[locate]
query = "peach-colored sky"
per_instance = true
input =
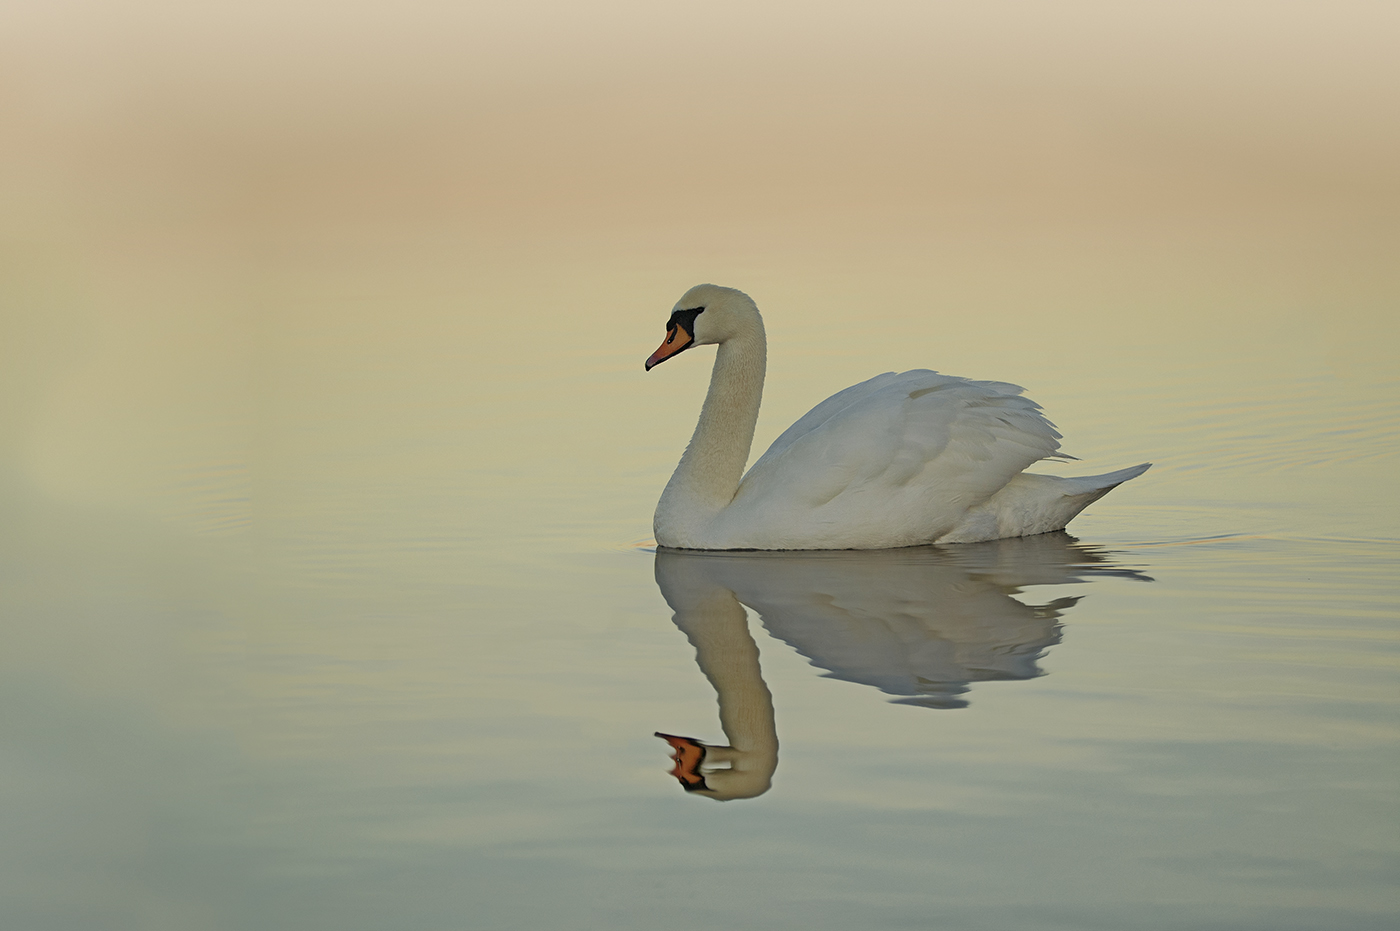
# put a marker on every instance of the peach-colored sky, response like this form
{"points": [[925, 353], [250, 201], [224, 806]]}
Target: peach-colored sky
{"points": [[524, 120]]}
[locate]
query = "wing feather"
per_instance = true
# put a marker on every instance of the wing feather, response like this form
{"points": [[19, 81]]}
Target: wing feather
{"points": [[912, 450]]}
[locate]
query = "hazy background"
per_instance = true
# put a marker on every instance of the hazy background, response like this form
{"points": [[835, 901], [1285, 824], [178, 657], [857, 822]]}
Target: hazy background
{"points": [[325, 446], [223, 167], [198, 199]]}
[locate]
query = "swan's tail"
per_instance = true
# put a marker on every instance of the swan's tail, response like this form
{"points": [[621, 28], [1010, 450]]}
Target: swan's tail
{"points": [[1079, 492], [1102, 484], [1031, 504]]}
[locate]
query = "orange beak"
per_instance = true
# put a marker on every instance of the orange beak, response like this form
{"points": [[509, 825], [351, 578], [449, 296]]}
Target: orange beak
{"points": [[676, 339], [687, 753]]}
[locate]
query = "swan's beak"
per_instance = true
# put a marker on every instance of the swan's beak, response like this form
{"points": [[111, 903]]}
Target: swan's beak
{"points": [[677, 338], [688, 754]]}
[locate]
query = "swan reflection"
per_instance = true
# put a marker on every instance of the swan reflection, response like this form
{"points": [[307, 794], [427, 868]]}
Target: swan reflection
{"points": [[921, 624]]}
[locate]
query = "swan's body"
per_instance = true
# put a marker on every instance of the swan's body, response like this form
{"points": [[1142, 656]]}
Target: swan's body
{"points": [[899, 460]]}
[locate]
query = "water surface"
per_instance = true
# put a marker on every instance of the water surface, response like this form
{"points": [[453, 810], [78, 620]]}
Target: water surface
{"points": [[388, 649]]}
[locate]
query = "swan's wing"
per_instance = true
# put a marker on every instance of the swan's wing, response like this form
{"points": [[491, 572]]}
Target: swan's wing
{"points": [[827, 409], [910, 451]]}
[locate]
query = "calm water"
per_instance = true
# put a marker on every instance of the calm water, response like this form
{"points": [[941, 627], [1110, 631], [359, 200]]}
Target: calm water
{"points": [[327, 466], [362, 630]]}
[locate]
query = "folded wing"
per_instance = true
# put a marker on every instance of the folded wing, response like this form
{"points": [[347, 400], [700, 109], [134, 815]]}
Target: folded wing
{"points": [[893, 461]]}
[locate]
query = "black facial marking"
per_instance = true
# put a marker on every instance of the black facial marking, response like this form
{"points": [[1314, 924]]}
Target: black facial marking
{"points": [[685, 318]]}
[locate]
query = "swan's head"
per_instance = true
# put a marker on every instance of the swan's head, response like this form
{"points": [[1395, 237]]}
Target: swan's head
{"points": [[707, 314]]}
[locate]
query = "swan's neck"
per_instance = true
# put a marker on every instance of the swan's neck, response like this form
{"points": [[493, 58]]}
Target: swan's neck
{"points": [[709, 471]]}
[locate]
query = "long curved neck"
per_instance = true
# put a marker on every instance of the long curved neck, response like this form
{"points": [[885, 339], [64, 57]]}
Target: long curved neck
{"points": [[709, 471], [727, 655], [714, 621]]}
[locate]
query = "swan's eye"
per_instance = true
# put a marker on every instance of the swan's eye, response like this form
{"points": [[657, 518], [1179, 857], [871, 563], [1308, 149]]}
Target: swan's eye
{"points": [[671, 336], [684, 319]]}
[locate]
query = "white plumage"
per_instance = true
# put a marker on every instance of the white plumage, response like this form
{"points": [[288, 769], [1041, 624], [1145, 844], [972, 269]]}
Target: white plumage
{"points": [[899, 460]]}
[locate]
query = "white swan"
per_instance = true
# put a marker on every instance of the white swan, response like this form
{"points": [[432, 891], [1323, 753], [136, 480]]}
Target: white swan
{"points": [[899, 460]]}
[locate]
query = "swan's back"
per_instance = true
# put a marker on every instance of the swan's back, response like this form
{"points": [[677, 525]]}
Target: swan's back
{"points": [[893, 461]]}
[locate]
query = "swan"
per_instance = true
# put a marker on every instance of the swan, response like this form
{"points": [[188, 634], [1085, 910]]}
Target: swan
{"points": [[899, 460]]}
